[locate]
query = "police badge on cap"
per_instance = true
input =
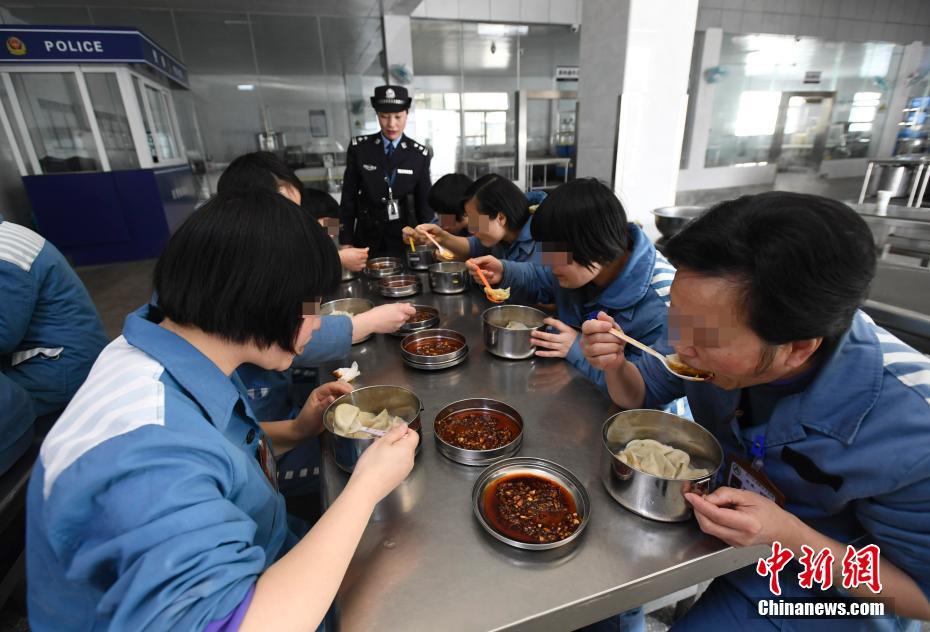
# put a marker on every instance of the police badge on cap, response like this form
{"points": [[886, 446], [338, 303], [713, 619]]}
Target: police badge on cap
{"points": [[391, 99]]}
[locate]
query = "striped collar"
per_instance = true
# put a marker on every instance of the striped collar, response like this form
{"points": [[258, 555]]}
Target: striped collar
{"points": [[213, 391]]}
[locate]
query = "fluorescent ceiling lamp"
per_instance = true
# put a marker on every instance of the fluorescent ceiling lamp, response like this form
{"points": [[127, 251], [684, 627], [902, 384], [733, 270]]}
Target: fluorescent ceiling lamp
{"points": [[246, 87], [502, 30]]}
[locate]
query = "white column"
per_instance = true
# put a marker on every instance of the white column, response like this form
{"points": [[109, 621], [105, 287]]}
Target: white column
{"points": [[639, 51], [703, 99], [910, 63]]}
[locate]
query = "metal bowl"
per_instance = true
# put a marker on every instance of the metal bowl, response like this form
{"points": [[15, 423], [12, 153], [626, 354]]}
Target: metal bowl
{"points": [[380, 267], [539, 467], [652, 496], [398, 401], [448, 277], [478, 457], [353, 306], [418, 361], [671, 219], [400, 285], [514, 344], [410, 327], [422, 258]]}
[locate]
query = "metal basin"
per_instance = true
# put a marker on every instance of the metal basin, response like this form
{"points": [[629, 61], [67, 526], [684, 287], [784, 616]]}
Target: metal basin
{"points": [[381, 267], [422, 258], [442, 361], [651, 496], [513, 344], [350, 305], [400, 285], [413, 326], [398, 401], [671, 219], [537, 467], [449, 277]]}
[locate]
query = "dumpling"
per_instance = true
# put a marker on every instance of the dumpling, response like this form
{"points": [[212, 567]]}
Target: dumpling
{"points": [[382, 421], [516, 324], [658, 459], [344, 418]]}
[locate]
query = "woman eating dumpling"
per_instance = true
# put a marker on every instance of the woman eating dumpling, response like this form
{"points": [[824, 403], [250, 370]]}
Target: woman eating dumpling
{"points": [[153, 504]]}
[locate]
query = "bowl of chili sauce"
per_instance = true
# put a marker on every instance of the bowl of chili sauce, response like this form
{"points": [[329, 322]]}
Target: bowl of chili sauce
{"points": [[433, 348], [478, 431], [531, 503]]}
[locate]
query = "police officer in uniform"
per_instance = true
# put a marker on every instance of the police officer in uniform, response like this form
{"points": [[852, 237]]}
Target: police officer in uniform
{"points": [[386, 181]]}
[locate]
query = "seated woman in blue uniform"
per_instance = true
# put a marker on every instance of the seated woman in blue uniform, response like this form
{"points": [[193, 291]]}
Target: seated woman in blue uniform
{"points": [[50, 335], [153, 504], [592, 260], [499, 218], [832, 409], [445, 198], [270, 390]]}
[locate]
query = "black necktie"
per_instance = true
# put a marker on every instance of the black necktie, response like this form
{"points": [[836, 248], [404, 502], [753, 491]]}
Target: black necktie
{"points": [[389, 150]]}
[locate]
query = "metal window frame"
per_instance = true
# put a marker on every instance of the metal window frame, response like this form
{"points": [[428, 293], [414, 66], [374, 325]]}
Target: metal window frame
{"points": [[172, 115], [77, 72], [8, 130]]}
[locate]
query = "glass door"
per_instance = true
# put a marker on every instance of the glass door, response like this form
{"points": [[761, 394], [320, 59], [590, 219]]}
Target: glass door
{"points": [[801, 130]]}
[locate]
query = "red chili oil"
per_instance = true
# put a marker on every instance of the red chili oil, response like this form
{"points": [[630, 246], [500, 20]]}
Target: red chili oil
{"points": [[433, 346], [477, 429], [530, 508]]}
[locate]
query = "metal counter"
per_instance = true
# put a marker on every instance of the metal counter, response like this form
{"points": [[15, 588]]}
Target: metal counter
{"points": [[424, 563]]}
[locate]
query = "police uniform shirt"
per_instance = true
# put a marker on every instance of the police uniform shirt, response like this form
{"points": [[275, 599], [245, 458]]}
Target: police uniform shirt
{"points": [[363, 213]]}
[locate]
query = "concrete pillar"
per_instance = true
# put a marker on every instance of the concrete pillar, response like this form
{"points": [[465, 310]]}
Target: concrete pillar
{"points": [[910, 63], [633, 95]]}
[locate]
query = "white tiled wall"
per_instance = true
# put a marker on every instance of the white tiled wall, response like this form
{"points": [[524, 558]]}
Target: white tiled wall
{"points": [[528, 11], [900, 21]]}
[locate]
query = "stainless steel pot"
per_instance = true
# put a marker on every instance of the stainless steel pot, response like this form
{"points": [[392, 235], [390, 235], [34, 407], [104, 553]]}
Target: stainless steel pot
{"points": [[398, 401], [513, 344], [422, 258], [449, 277], [671, 219], [651, 496], [351, 306]]}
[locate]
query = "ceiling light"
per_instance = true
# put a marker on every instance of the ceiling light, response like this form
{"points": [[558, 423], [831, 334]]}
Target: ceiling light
{"points": [[246, 87]]}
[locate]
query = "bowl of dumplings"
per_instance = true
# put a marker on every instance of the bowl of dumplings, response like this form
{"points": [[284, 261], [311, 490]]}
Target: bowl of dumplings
{"points": [[507, 330], [652, 458], [354, 421]]}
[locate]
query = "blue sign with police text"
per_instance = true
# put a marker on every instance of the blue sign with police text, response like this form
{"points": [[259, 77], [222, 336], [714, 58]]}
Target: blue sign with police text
{"points": [[53, 44]]}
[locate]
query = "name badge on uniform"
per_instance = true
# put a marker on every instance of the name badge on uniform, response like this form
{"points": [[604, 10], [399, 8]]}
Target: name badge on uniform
{"points": [[408, 172], [393, 211], [369, 167], [740, 474]]}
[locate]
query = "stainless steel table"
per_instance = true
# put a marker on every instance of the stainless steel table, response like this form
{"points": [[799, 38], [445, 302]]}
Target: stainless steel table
{"points": [[424, 563]]}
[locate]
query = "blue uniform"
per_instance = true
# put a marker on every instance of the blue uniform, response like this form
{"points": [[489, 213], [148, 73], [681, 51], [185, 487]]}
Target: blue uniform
{"points": [[637, 299], [50, 333], [849, 452], [148, 508]]}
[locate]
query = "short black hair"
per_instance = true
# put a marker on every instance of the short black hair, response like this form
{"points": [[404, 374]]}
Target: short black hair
{"points": [[259, 169], [320, 203], [445, 196], [587, 217], [242, 265], [804, 262], [494, 194]]}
